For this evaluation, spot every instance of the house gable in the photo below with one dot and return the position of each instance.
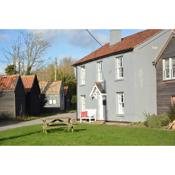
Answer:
(170, 49)
(97, 89)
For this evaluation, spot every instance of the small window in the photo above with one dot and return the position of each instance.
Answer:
(119, 68)
(99, 71)
(83, 106)
(54, 102)
(82, 75)
(168, 68)
(120, 103)
(50, 102)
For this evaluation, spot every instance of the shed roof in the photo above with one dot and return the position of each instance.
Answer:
(65, 90)
(8, 83)
(50, 87)
(28, 81)
(125, 45)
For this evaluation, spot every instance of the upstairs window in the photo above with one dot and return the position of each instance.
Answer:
(99, 71)
(119, 68)
(82, 75)
(168, 68)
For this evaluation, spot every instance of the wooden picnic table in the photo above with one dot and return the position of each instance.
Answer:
(57, 122)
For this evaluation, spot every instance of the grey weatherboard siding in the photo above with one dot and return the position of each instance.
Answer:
(138, 85)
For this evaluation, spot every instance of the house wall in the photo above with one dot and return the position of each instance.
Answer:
(139, 84)
(7, 104)
(165, 88)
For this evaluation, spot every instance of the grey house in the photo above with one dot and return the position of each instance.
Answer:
(119, 80)
(52, 95)
(12, 97)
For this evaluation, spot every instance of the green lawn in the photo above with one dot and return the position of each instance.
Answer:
(86, 134)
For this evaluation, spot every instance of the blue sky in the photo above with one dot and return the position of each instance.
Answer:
(74, 43)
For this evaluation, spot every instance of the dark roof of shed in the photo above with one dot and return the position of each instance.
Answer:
(125, 45)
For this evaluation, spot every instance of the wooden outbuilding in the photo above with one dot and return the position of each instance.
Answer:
(12, 97)
(53, 95)
(32, 91)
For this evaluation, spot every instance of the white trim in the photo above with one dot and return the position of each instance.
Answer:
(82, 75)
(99, 71)
(170, 69)
(119, 68)
(83, 102)
(120, 103)
(93, 89)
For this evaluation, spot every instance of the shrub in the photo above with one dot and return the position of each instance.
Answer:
(171, 113)
(157, 121)
(74, 101)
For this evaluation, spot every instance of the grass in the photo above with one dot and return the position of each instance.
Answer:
(86, 134)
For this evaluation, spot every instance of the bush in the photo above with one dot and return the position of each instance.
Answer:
(74, 101)
(171, 113)
(157, 121)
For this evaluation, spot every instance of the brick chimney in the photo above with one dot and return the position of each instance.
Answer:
(115, 36)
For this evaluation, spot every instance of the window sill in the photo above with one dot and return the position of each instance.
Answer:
(119, 79)
(82, 85)
(100, 81)
(120, 115)
(168, 80)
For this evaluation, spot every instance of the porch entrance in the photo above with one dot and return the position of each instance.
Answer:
(99, 94)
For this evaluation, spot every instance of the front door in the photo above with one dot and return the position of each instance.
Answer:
(101, 107)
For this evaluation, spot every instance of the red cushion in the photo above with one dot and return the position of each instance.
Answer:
(84, 114)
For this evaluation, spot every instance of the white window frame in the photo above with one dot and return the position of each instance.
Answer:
(120, 103)
(83, 102)
(82, 74)
(99, 71)
(170, 69)
(50, 102)
(173, 77)
(119, 69)
(54, 102)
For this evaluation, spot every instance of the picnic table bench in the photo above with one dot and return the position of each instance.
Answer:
(57, 122)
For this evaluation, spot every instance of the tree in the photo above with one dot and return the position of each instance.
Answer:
(10, 70)
(65, 71)
(27, 51)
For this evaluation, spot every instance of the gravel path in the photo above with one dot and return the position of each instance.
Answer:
(9, 125)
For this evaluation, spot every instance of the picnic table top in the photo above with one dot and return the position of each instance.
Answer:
(52, 118)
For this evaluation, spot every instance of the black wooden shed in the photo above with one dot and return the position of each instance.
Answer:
(12, 97)
(32, 91)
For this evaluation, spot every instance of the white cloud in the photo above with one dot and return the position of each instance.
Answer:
(76, 37)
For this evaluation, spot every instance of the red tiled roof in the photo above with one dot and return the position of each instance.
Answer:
(126, 44)
(50, 87)
(8, 83)
(28, 81)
